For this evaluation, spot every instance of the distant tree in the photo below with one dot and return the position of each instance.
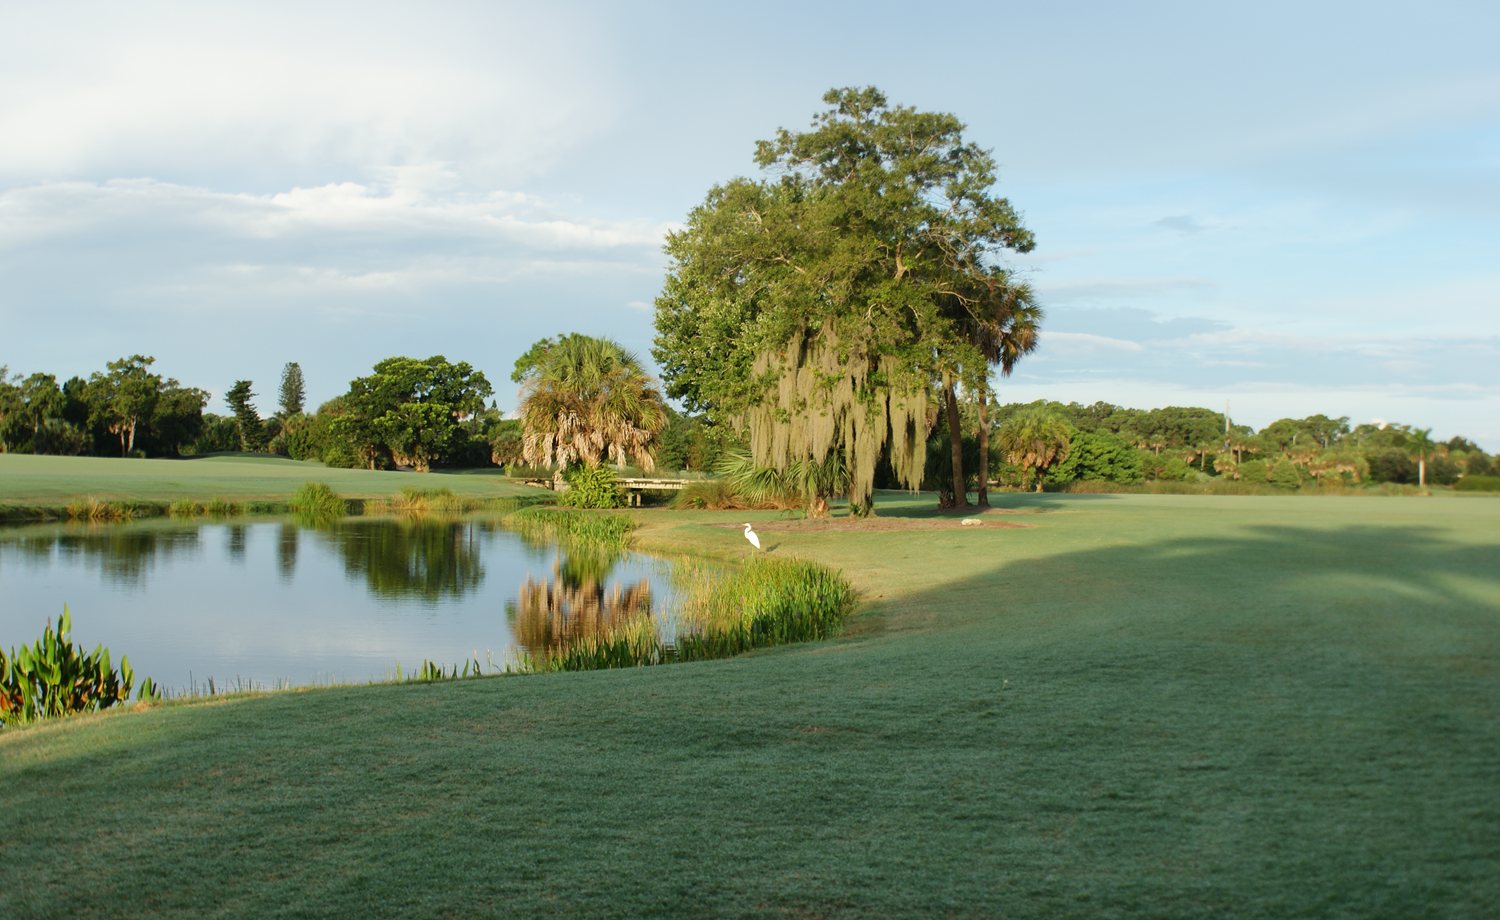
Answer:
(11, 408)
(177, 419)
(246, 418)
(124, 397)
(1390, 464)
(584, 399)
(31, 416)
(218, 434)
(293, 391)
(1035, 442)
(1420, 444)
(1098, 456)
(1339, 461)
(410, 412)
(506, 443)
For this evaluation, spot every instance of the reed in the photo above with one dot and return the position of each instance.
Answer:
(317, 501)
(221, 507)
(768, 602)
(564, 524)
(98, 510)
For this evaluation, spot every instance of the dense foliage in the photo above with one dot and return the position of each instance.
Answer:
(124, 410)
(592, 486)
(820, 308)
(1119, 445)
(412, 413)
(587, 399)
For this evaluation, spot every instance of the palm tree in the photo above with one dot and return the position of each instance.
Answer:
(1012, 334)
(584, 399)
(1001, 323)
(1036, 441)
(1419, 441)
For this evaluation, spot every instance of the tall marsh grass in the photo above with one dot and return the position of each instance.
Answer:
(767, 602)
(98, 510)
(571, 525)
(723, 613)
(317, 501)
(440, 501)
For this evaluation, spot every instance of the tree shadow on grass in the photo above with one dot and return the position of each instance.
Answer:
(1249, 720)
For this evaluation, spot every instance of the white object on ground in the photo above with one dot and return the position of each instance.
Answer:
(752, 537)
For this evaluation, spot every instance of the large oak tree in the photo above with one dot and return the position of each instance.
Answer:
(823, 306)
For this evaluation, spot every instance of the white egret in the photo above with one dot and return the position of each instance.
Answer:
(751, 535)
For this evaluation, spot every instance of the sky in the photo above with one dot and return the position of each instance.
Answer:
(1286, 208)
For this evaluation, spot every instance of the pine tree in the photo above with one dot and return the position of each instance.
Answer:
(292, 390)
(247, 419)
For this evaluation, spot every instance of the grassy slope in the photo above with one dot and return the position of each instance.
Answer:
(39, 481)
(1142, 704)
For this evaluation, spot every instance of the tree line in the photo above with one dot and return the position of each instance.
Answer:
(588, 400)
(1106, 443)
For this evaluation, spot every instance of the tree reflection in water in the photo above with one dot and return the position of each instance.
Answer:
(286, 550)
(576, 604)
(124, 554)
(411, 557)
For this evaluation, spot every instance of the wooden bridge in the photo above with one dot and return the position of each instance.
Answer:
(633, 485)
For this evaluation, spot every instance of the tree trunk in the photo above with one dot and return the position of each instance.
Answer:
(983, 498)
(1421, 472)
(956, 442)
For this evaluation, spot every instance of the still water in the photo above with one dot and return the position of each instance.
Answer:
(267, 603)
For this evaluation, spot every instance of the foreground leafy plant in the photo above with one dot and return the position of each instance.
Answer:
(52, 677)
(592, 486)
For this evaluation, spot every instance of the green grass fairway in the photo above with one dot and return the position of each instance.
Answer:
(28, 481)
(1132, 706)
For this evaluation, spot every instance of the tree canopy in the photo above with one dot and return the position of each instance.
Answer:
(411, 412)
(293, 389)
(584, 399)
(820, 306)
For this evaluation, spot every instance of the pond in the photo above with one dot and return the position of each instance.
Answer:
(267, 603)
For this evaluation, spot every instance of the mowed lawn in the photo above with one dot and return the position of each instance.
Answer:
(42, 481)
(1132, 705)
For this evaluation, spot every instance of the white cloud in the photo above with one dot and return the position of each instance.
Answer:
(31, 213)
(292, 92)
(1086, 340)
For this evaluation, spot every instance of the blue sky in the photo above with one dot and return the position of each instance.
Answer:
(1289, 207)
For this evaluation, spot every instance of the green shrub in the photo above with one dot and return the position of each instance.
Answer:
(1478, 484)
(1285, 475)
(591, 486)
(317, 500)
(183, 508)
(53, 677)
(338, 455)
(710, 495)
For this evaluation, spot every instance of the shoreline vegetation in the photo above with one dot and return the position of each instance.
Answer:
(727, 610)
